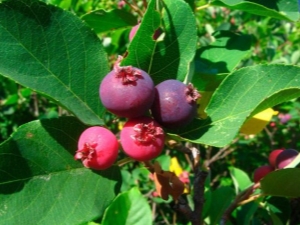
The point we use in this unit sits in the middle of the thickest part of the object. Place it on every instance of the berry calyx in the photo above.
(127, 74)
(261, 172)
(192, 95)
(146, 133)
(142, 138)
(97, 148)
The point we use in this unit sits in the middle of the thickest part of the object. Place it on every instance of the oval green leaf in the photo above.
(103, 21)
(284, 182)
(240, 179)
(248, 90)
(128, 208)
(169, 58)
(281, 9)
(41, 183)
(54, 53)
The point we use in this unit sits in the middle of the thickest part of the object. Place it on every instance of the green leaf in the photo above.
(214, 62)
(280, 9)
(128, 208)
(169, 58)
(279, 209)
(103, 21)
(284, 182)
(220, 199)
(248, 90)
(245, 213)
(240, 179)
(224, 54)
(54, 53)
(41, 183)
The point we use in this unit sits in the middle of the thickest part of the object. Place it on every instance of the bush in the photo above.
(242, 57)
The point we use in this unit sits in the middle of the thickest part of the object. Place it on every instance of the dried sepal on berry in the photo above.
(86, 153)
(97, 148)
(142, 138)
(128, 74)
(192, 93)
(145, 133)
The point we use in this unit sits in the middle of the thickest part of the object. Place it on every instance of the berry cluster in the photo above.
(278, 159)
(130, 92)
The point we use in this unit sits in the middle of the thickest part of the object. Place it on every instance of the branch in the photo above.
(242, 198)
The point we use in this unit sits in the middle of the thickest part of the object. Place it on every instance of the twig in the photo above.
(124, 161)
(203, 7)
(182, 206)
(221, 153)
(239, 200)
(178, 146)
(271, 137)
(164, 217)
(198, 198)
(134, 8)
(250, 199)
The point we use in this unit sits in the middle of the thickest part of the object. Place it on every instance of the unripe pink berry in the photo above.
(97, 148)
(142, 138)
(133, 31)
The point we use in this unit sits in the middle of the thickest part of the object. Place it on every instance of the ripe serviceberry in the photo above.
(261, 172)
(273, 156)
(97, 148)
(142, 138)
(175, 103)
(285, 157)
(127, 91)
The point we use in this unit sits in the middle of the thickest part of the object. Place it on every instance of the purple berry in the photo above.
(286, 157)
(127, 91)
(174, 104)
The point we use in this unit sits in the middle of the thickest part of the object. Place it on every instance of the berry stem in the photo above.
(124, 161)
(134, 8)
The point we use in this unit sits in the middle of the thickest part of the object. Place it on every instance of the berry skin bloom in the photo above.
(142, 138)
(97, 148)
(175, 104)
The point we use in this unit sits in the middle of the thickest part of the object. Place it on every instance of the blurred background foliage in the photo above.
(273, 41)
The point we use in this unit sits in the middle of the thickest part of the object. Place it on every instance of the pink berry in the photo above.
(285, 158)
(175, 103)
(261, 172)
(127, 91)
(134, 29)
(142, 138)
(273, 156)
(97, 148)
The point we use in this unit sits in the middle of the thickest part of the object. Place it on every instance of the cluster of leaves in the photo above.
(55, 54)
